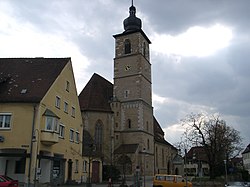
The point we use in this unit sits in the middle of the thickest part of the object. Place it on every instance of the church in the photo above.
(118, 118)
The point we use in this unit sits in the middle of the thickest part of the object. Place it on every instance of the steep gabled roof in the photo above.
(247, 150)
(96, 95)
(28, 79)
(159, 134)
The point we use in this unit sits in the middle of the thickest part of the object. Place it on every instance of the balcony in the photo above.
(49, 137)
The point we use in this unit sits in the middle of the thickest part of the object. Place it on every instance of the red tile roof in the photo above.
(96, 95)
(28, 79)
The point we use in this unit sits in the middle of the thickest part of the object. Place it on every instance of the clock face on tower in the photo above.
(127, 67)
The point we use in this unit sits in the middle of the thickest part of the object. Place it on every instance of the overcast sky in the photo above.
(200, 49)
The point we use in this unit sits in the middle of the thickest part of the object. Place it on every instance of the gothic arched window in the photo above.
(127, 46)
(98, 136)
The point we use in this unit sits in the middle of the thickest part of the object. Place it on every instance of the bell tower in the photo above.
(132, 91)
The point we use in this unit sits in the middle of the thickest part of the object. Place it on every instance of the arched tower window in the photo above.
(148, 144)
(129, 123)
(127, 46)
(98, 136)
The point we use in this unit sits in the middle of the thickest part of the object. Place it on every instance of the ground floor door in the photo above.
(95, 171)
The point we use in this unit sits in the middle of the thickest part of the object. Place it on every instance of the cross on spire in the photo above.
(132, 2)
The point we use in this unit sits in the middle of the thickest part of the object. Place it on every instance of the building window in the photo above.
(129, 123)
(147, 125)
(58, 102)
(67, 86)
(5, 120)
(20, 166)
(51, 124)
(61, 130)
(71, 135)
(73, 111)
(66, 107)
(127, 46)
(77, 137)
(98, 136)
(116, 125)
(148, 144)
(76, 166)
(126, 93)
(85, 165)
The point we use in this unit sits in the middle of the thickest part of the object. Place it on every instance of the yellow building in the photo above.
(40, 121)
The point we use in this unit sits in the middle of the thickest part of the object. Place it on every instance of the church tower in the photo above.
(132, 96)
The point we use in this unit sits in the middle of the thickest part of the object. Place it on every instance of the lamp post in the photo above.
(144, 167)
(225, 162)
(37, 140)
(91, 149)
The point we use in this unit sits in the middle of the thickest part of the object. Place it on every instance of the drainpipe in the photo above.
(31, 143)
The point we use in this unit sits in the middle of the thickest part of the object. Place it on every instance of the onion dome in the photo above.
(132, 23)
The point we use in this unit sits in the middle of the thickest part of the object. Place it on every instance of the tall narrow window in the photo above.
(67, 86)
(61, 130)
(84, 167)
(127, 46)
(58, 102)
(129, 123)
(77, 137)
(71, 135)
(73, 111)
(76, 166)
(98, 136)
(66, 107)
(148, 144)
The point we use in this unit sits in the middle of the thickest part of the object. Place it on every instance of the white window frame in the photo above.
(54, 124)
(58, 102)
(71, 135)
(77, 137)
(84, 166)
(66, 107)
(73, 111)
(3, 125)
(61, 130)
(76, 165)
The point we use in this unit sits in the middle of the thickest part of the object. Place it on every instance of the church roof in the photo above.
(126, 149)
(247, 150)
(159, 134)
(96, 95)
(28, 79)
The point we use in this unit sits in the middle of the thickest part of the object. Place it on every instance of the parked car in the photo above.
(6, 181)
(164, 180)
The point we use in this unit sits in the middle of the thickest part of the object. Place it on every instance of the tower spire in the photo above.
(132, 23)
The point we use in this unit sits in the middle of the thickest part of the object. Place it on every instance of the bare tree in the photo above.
(220, 141)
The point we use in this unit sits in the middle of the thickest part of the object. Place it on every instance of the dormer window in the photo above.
(127, 46)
